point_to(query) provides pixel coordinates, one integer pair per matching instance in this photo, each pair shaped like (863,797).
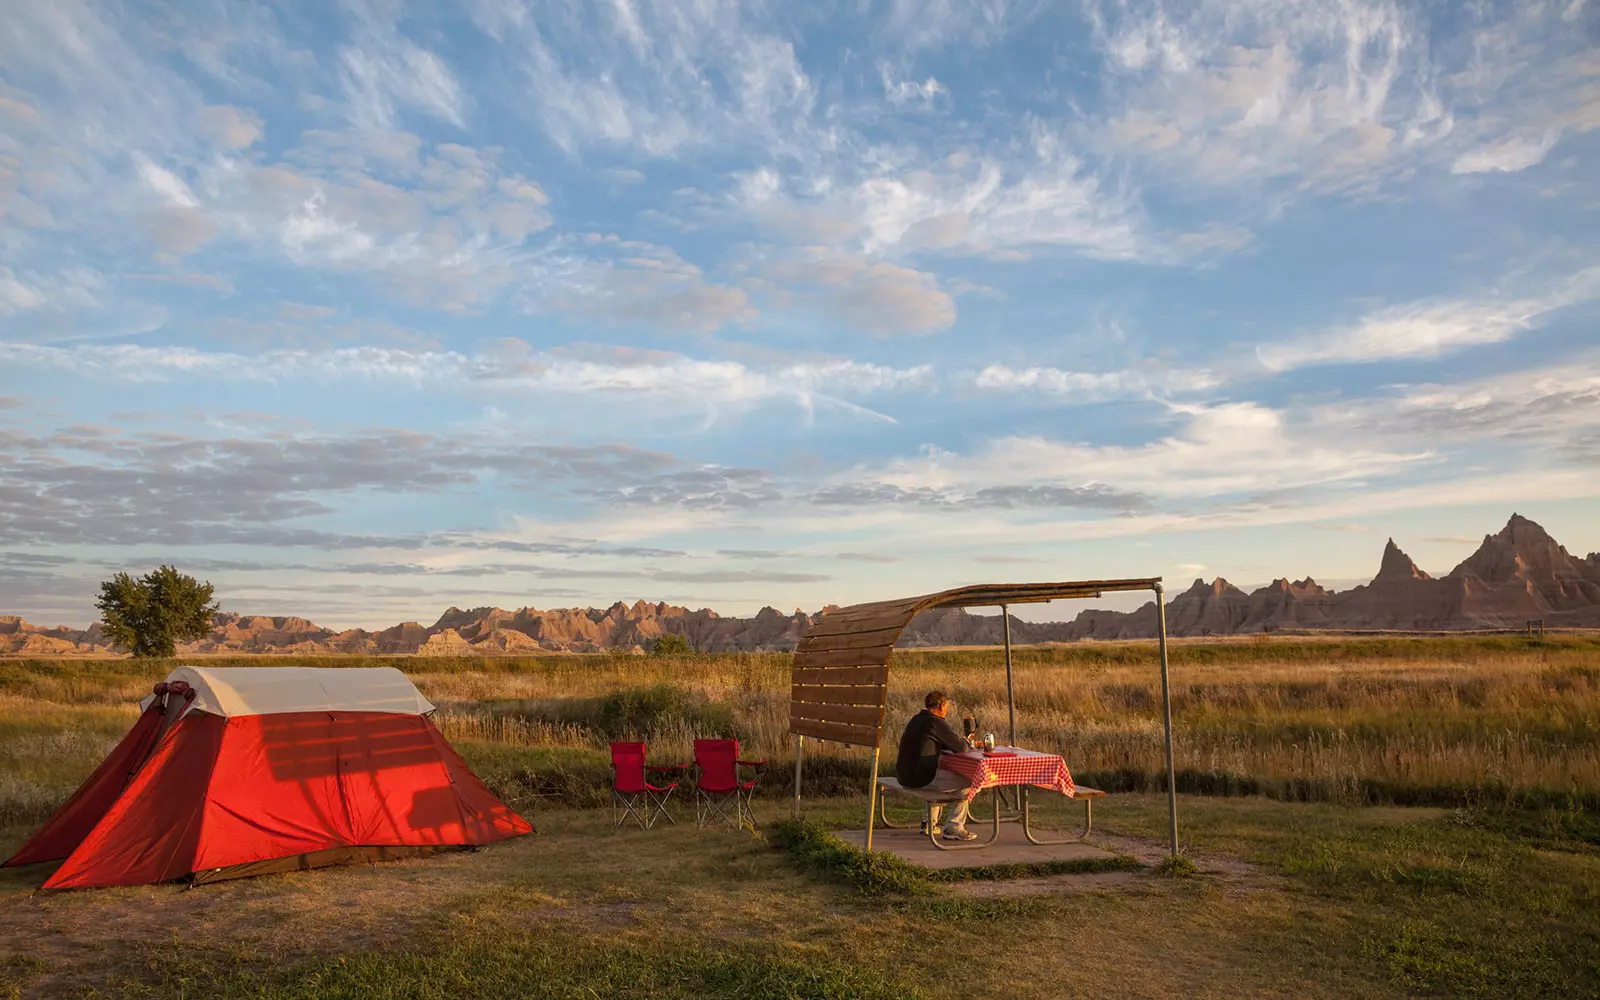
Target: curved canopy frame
(841,667)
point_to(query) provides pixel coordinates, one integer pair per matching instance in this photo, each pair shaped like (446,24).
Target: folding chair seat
(632,794)
(720,793)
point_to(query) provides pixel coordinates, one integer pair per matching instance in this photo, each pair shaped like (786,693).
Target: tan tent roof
(231,691)
(841,667)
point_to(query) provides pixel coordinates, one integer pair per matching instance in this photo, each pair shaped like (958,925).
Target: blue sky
(363,309)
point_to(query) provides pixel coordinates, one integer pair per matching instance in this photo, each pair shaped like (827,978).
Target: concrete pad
(1011,847)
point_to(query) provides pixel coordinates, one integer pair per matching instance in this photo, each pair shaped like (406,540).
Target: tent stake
(872,794)
(1166,713)
(799,751)
(1011,700)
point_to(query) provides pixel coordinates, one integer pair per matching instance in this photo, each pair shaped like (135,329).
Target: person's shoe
(958,835)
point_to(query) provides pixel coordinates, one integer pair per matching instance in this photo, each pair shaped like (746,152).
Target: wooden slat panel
(843,658)
(841,675)
(861,736)
(840,625)
(862,695)
(852,640)
(855,715)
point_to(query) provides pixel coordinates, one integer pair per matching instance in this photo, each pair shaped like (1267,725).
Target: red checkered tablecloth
(1028,767)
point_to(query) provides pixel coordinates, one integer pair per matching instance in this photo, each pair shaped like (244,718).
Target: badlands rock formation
(1519,574)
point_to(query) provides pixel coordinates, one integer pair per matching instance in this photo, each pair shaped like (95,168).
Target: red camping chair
(631,790)
(718,785)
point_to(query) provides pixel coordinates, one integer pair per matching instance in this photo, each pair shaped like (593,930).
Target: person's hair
(935,699)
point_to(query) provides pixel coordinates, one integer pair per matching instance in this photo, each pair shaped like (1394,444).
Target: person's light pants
(956,817)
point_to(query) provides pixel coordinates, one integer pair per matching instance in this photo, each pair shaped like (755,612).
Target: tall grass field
(1400,721)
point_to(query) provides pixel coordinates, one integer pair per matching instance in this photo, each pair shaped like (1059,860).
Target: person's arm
(947,738)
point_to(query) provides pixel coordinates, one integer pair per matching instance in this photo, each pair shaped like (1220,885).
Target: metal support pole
(872,795)
(1166,712)
(799,751)
(1011,700)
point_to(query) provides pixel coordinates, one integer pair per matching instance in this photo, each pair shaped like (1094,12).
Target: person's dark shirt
(926,734)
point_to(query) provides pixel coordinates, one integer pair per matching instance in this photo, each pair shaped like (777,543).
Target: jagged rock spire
(1398,566)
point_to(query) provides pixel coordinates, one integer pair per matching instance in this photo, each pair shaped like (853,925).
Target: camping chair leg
(714,808)
(658,808)
(630,808)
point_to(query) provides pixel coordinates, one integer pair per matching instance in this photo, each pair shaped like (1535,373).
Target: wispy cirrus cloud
(1430,328)
(1340,98)
(1090,386)
(509,366)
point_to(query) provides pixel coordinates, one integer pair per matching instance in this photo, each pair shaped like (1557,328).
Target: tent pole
(872,794)
(799,751)
(1166,713)
(1011,700)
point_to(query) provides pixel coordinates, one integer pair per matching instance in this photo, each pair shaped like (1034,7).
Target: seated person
(917,765)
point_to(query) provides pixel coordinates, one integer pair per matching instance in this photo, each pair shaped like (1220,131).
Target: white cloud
(960,203)
(636,282)
(1428,329)
(508,366)
(657,75)
(1552,409)
(1219,451)
(873,296)
(1343,97)
(1091,386)
(382,72)
(934,24)
(1303,92)
(1509,155)
(229,127)
(909,92)
(15,296)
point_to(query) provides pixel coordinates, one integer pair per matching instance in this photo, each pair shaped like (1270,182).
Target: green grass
(1446,908)
(873,873)
(1334,901)
(527,964)
(815,849)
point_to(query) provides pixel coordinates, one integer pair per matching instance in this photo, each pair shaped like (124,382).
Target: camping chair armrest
(757,764)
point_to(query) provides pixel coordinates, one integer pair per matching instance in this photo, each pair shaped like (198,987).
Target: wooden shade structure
(841,667)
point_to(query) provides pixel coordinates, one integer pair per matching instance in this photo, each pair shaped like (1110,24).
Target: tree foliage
(671,644)
(150,615)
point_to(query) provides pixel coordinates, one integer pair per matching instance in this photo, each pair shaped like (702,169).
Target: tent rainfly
(243,771)
(841,668)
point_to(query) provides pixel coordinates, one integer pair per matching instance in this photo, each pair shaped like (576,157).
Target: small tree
(150,615)
(671,644)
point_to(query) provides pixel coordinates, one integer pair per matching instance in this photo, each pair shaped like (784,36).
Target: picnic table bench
(987,778)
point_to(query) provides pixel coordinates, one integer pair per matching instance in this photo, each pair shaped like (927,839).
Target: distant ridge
(1515,575)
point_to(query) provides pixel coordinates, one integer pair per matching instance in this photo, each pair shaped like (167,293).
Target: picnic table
(1005,767)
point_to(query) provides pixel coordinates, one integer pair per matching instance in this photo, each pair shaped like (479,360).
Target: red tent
(249,770)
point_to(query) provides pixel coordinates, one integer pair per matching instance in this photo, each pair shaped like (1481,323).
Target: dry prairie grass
(1435,721)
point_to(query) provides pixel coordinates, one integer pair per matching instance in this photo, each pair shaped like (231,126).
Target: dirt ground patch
(1229,874)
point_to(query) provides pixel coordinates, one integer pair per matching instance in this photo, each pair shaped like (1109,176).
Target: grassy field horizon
(1408,816)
